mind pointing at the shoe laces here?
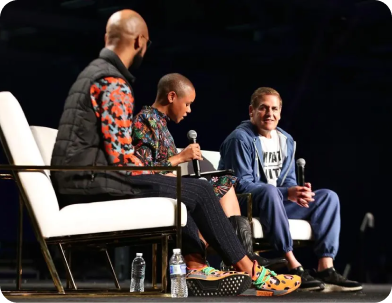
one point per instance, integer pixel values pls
(208, 270)
(306, 275)
(264, 277)
(338, 276)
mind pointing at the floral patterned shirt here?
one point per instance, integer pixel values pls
(153, 142)
(154, 145)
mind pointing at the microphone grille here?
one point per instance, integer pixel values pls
(192, 134)
(301, 162)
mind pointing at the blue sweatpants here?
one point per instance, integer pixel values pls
(274, 212)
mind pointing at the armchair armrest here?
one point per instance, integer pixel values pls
(26, 168)
(209, 174)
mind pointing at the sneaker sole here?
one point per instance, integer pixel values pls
(228, 286)
(313, 288)
(268, 293)
(337, 288)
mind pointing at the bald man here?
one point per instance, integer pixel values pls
(96, 130)
(101, 99)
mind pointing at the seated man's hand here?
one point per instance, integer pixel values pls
(301, 195)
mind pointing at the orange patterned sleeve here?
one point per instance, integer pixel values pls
(113, 103)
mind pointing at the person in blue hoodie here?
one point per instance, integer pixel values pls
(262, 157)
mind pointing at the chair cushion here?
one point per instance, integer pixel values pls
(109, 216)
(106, 216)
(299, 229)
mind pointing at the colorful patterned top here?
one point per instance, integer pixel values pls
(154, 145)
(113, 102)
(152, 139)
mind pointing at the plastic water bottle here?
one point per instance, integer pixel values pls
(177, 275)
(138, 273)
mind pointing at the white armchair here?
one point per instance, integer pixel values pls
(301, 231)
(100, 223)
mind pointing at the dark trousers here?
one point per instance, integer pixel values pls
(323, 214)
(204, 213)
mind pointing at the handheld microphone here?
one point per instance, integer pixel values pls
(301, 171)
(192, 135)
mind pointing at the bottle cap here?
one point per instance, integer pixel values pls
(139, 254)
(176, 250)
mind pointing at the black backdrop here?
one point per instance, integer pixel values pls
(331, 62)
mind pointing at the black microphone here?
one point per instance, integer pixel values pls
(192, 135)
(301, 171)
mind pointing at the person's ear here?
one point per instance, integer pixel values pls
(250, 111)
(171, 96)
(137, 42)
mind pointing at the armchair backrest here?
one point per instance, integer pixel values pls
(21, 149)
(45, 138)
(210, 162)
(212, 158)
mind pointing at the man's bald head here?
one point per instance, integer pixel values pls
(178, 83)
(123, 26)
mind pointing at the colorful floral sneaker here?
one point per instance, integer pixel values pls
(208, 281)
(266, 283)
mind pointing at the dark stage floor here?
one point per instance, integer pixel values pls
(93, 292)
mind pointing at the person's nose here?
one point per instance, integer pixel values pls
(268, 112)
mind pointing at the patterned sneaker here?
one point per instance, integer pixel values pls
(208, 281)
(336, 282)
(266, 283)
(308, 282)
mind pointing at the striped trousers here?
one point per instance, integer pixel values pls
(204, 213)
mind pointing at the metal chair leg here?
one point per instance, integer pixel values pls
(67, 269)
(43, 245)
(154, 265)
(68, 255)
(52, 269)
(112, 270)
(165, 239)
(19, 247)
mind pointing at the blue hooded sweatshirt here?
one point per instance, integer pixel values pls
(242, 152)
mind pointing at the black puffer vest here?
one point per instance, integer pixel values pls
(79, 140)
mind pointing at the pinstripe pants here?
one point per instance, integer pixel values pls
(204, 213)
